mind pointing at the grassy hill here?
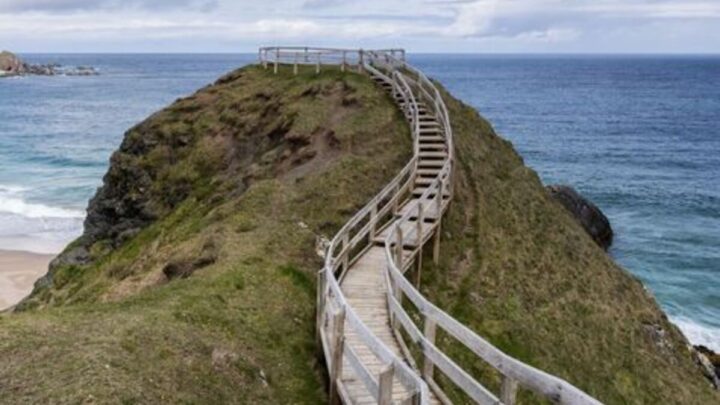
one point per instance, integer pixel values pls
(518, 269)
(213, 300)
(195, 279)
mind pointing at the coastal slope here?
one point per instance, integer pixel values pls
(195, 278)
(194, 281)
(521, 271)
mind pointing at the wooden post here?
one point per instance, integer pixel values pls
(438, 200)
(399, 248)
(420, 220)
(338, 344)
(295, 67)
(346, 255)
(373, 222)
(436, 242)
(320, 305)
(415, 399)
(277, 57)
(450, 178)
(429, 332)
(396, 292)
(361, 60)
(396, 201)
(508, 392)
(344, 61)
(317, 65)
(385, 385)
(307, 57)
(439, 196)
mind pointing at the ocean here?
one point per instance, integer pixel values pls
(638, 135)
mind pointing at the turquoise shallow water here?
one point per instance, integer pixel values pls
(638, 135)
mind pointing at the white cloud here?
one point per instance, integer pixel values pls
(56, 6)
(473, 18)
(427, 25)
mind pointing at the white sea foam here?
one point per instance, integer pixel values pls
(699, 334)
(18, 206)
(6, 189)
(11, 202)
(35, 227)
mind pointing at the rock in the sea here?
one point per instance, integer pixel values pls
(585, 212)
(10, 64)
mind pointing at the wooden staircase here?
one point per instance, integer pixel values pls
(376, 330)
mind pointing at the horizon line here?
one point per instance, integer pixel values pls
(619, 53)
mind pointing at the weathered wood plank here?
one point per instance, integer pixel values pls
(458, 376)
(361, 371)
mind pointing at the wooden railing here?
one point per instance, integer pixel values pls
(302, 55)
(412, 88)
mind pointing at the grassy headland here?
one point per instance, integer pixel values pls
(212, 301)
(195, 279)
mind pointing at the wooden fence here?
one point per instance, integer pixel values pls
(412, 90)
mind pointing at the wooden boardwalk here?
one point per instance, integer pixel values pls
(365, 286)
(378, 350)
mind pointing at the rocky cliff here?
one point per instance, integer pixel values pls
(588, 215)
(195, 278)
(12, 65)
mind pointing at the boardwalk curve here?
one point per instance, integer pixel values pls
(376, 329)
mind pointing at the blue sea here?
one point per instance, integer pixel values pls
(638, 135)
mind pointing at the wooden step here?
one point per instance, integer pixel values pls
(430, 211)
(424, 146)
(428, 172)
(410, 235)
(433, 155)
(428, 163)
(431, 131)
(432, 146)
(424, 181)
(431, 138)
(418, 191)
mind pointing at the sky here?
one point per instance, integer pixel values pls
(475, 26)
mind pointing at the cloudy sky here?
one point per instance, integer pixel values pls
(636, 26)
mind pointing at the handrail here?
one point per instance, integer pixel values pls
(412, 87)
(513, 370)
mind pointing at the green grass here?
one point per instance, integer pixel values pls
(228, 175)
(516, 268)
(241, 329)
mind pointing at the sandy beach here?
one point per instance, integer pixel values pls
(18, 272)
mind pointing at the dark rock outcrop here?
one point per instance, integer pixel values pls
(585, 212)
(12, 65)
(709, 362)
